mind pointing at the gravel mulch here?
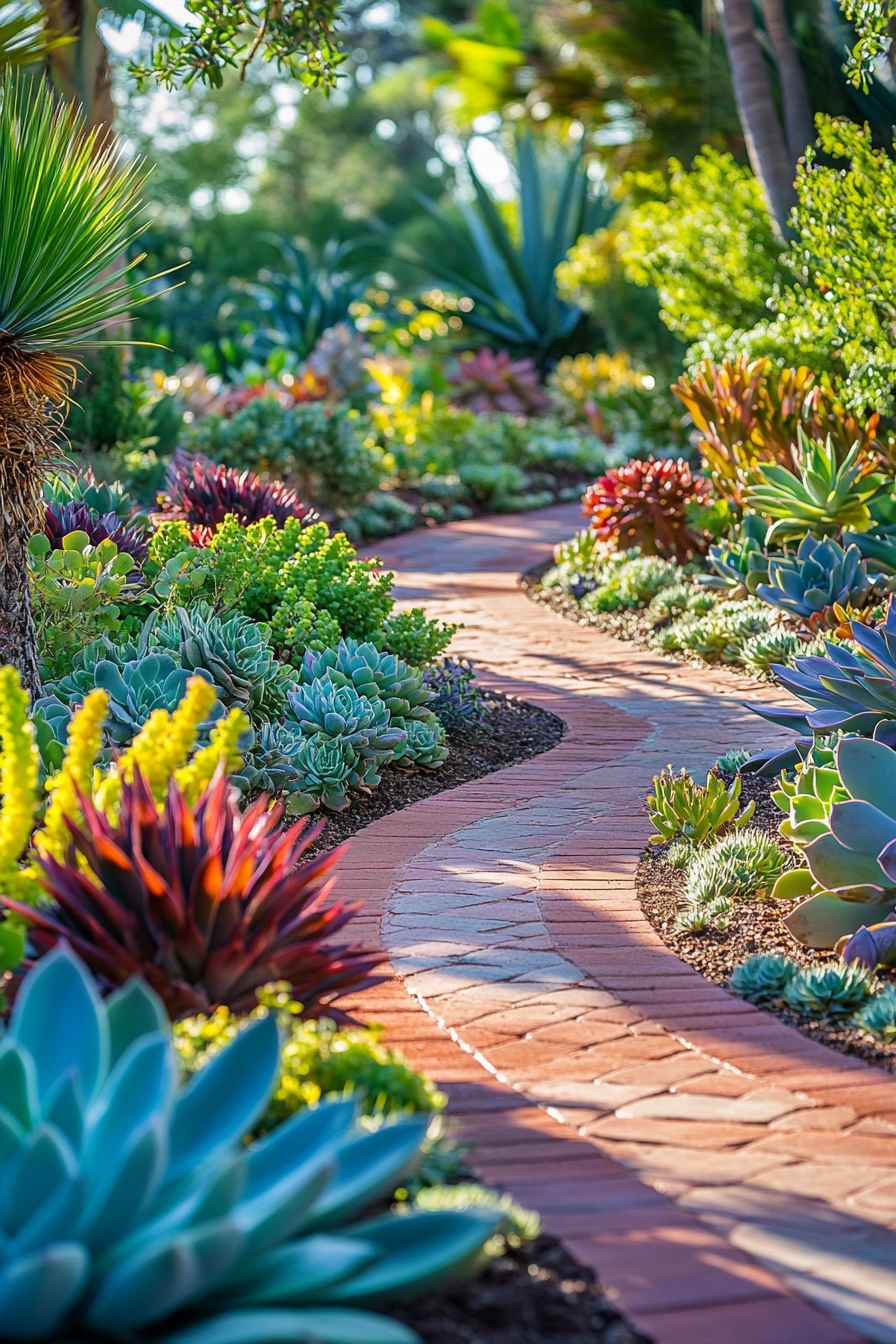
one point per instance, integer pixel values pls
(537, 1294)
(753, 926)
(513, 731)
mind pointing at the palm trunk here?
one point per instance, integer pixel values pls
(18, 643)
(798, 123)
(769, 155)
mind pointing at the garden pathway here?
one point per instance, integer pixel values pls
(729, 1180)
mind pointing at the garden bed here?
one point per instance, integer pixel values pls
(631, 625)
(753, 927)
(537, 1294)
(512, 731)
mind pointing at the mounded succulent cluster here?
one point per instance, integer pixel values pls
(743, 866)
(826, 989)
(140, 1207)
(203, 493)
(697, 813)
(646, 504)
(762, 978)
(820, 575)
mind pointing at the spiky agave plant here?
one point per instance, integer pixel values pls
(206, 903)
(67, 212)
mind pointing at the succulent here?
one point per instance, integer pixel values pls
(136, 689)
(670, 602)
(821, 574)
(456, 699)
(143, 1205)
(424, 744)
(697, 917)
(62, 519)
(871, 946)
(411, 636)
(372, 674)
(325, 709)
(679, 806)
(208, 903)
(846, 690)
(98, 497)
(487, 383)
(721, 633)
(760, 653)
(762, 978)
(809, 796)
(203, 493)
(269, 765)
(50, 719)
(742, 866)
(731, 762)
(233, 653)
(877, 1016)
(830, 989)
(645, 504)
(825, 496)
(740, 562)
(327, 768)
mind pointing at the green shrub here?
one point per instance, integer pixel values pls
(318, 1060)
(314, 446)
(75, 596)
(415, 639)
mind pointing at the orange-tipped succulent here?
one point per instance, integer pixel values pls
(207, 903)
(645, 503)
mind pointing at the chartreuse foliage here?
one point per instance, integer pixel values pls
(698, 813)
(133, 1203)
(824, 498)
(318, 1060)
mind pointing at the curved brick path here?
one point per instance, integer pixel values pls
(730, 1180)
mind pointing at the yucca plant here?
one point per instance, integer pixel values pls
(68, 207)
(207, 903)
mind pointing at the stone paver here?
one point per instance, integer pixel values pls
(728, 1178)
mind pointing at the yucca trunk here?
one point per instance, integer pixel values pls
(81, 71)
(29, 425)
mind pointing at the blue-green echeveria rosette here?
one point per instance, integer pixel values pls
(132, 1208)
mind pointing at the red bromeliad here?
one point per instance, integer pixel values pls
(645, 503)
(206, 903)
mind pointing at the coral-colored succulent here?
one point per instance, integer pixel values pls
(645, 503)
(487, 383)
(207, 903)
(202, 493)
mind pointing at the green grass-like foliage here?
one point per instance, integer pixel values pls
(698, 813)
(739, 867)
(763, 978)
(68, 211)
(831, 989)
(134, 1203)
(318, 1060)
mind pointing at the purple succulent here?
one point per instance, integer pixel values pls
(61, 519)
(202, 493)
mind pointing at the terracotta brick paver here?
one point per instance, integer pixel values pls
(729, 1179)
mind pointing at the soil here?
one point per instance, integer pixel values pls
(753, 926)
(537, 1294)
(513, 731)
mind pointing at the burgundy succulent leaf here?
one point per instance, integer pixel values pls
(486, 382)
(61, 519)
(202, 493)
(207, 903)
(645, 503)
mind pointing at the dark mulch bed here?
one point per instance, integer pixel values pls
(513, 731)
(537, 1294)
(753, 926)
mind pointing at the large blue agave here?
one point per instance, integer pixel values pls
(131, 1208)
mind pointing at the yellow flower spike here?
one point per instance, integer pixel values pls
(196, 776)
(165, 741)
(19, 763)
(85, 740)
